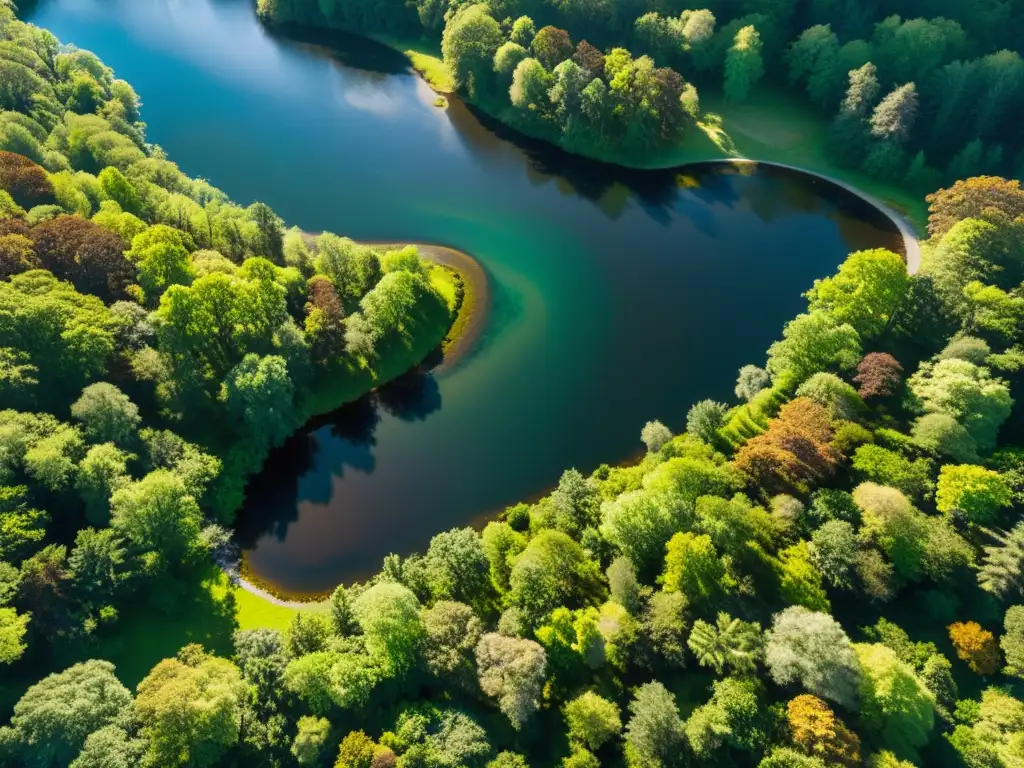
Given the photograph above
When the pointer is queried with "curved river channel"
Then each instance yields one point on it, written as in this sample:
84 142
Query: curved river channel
617 296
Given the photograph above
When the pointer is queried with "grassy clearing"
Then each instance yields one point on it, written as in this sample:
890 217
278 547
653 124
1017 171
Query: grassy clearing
425 57
774 125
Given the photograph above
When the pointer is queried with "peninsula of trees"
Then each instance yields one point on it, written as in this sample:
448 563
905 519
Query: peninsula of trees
915 93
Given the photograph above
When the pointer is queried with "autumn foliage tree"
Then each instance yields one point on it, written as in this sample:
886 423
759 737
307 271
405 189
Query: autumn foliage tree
816 730
976 646
91 257
26 182
878 375
795 449
988 198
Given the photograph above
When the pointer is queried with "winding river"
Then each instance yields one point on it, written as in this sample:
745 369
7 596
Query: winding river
617 296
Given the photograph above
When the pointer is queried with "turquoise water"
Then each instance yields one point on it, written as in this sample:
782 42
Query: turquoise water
618 296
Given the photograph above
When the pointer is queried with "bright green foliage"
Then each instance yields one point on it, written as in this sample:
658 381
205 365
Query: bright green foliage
1012 641
976 492
785 757
22 528
994 737
389 616
812 343
693 567
553 570
654 733
12 635
640 523
864 292
966 392
730 642
102 471
943 435
310 741
157 514
800 582
354 269
54 717
469 43
592 720
160 266
896 706
190 709
106 414
734 718
259 397
501 546
885 467
664 627
744 66
67 335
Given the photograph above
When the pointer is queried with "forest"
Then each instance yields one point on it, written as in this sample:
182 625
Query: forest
822 568
917 94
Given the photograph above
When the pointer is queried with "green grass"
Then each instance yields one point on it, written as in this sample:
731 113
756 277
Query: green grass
774 125
425 57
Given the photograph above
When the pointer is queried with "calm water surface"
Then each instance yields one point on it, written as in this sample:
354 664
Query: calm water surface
619 296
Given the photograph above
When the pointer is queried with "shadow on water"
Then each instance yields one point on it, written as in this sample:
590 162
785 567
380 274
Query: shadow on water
326 448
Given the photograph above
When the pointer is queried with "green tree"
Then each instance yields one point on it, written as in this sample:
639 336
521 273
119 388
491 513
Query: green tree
943 435
654 733
512 671
259 396
468 44
190 709
54 717
966 392
693 567
705 419
864 293
812 649
751 381
592 720
733 718
389 616
812 343
977 492
310 740
834 549
894 117
106 414
158 515
1012 641
102 471
885 467
655 435
896 707
451 632
744 65
110 747
730 642
1002 570
553 570
13 627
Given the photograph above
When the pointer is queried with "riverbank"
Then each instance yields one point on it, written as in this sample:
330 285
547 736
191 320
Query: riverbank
772 126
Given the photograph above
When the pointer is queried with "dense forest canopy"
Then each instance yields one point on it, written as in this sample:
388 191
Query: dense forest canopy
826 571
916 93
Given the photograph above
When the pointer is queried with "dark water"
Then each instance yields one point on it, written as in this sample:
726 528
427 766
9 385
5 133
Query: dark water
619 296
